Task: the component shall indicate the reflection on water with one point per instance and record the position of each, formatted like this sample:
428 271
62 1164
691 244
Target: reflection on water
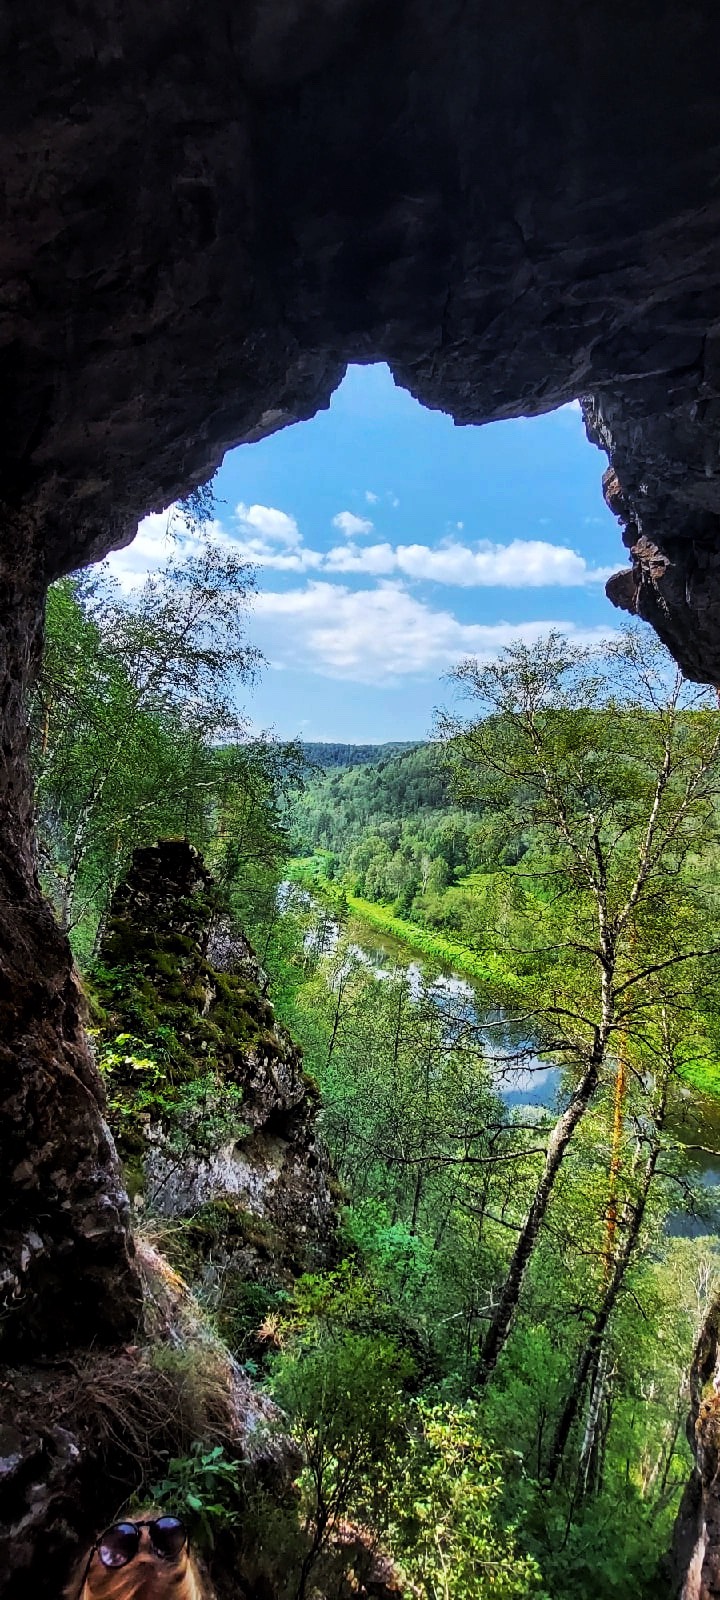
522 1078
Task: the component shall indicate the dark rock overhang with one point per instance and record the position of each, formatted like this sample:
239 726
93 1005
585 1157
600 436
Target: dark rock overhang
210 210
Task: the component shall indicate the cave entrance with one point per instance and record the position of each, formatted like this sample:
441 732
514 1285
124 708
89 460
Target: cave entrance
390 542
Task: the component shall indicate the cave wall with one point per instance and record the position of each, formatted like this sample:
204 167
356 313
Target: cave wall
66 1267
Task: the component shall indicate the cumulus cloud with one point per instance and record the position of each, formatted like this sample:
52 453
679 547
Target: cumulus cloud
377 559
522 564
262 554
272 525
353 527
380 632
262 534
371 497
380 635
271 538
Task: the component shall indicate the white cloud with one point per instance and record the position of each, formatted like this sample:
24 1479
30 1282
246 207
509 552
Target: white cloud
379 635
271 524
380 560
353 527
371 497
265 535
162 536
522 564
263 554
271 538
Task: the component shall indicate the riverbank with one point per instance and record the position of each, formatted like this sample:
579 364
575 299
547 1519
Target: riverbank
486 969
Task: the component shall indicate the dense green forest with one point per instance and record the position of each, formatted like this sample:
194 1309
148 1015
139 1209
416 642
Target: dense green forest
492 1376
328 755
394 832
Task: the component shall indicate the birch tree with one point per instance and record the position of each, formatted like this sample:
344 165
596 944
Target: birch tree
609 763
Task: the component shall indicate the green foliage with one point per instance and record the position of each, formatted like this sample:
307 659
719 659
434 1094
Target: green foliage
446 1511
202 1488
419 1474
505 850
342 1394
440 1181
137 734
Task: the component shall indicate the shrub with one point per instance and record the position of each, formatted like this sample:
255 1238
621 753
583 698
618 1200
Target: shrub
203 1488
444 1495
343 1397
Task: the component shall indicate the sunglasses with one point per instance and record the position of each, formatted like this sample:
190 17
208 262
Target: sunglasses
119 1545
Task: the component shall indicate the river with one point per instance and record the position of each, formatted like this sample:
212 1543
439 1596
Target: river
522 1076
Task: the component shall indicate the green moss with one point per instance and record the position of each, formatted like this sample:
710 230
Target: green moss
161 995
221 1225
167 1021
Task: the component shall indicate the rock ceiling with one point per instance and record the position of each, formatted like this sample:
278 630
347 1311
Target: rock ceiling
210 209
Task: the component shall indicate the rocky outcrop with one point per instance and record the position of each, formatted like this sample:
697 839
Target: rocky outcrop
662 487
179 1023
181 989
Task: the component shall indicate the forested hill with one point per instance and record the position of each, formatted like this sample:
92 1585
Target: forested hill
327 755
338 805
390 828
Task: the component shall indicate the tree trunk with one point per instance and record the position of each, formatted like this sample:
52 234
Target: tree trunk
498 1332
590 1463
592 1353
66 1272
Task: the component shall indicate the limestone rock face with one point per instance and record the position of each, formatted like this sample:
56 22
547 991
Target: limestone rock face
209 211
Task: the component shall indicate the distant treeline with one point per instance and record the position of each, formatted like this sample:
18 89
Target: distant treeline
328 755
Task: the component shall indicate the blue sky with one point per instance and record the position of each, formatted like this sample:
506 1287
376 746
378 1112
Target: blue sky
390 543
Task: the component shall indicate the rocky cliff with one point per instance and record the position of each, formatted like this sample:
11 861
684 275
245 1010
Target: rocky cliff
208 1098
